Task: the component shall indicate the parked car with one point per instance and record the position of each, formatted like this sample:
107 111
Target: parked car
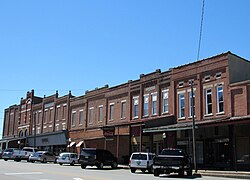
9 153
97 157
67 158
1 154
172 160
43 156
24 153
142 161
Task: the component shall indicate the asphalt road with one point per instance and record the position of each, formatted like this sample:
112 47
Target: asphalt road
10 170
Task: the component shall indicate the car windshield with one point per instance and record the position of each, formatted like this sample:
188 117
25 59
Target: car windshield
139 156
38 154
87 152
176 152
8 150
64 155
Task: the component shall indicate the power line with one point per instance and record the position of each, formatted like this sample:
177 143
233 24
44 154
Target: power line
201 27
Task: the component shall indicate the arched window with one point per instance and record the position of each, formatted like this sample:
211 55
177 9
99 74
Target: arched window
21 133
26 133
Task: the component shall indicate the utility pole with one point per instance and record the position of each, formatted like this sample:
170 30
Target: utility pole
193 127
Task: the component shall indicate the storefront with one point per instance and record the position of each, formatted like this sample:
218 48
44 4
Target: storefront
55 142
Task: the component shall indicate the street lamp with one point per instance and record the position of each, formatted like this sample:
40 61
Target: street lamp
193 125
18 142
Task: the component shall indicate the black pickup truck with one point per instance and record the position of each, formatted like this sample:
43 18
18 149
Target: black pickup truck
172 161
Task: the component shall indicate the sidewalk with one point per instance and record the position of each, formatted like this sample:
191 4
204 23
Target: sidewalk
214 173
228 174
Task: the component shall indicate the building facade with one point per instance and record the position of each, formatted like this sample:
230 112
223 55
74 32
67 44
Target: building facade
153 112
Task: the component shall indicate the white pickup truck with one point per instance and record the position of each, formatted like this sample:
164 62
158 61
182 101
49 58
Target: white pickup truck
23 154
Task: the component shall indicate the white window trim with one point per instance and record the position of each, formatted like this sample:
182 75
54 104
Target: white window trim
217 99
181 117
190 103
165 91
207 103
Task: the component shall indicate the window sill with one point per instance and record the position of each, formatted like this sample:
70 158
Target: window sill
220 113
190 117
181 118
208 115
165 112
123 118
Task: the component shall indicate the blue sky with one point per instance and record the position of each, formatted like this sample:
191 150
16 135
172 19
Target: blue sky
50 45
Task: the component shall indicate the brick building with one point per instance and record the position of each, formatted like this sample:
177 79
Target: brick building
147 114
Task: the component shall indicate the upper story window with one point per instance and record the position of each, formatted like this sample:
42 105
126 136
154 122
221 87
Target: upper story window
64 111
165 101
154 104
218 75
38 117
45 116
181 105
111 112
136 106
191 108
58 113
80 117
181 84
220 99
73 123
123 110
145 105
100 113
207 78
34 118
51 115
91 115
209 109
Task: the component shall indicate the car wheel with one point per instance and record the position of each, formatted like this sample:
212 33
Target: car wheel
132 170
73 163
114 165
151 169
83 166
60 164
143 170
32 161
181 173
6 159
100 166
55 161
156 172
189 172
44 160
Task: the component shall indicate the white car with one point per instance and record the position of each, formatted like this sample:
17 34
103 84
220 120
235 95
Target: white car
67 158
142 161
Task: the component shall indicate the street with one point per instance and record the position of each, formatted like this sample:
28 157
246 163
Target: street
11 170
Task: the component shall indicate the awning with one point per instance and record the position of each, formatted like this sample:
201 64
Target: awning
173 127
71 144
79 144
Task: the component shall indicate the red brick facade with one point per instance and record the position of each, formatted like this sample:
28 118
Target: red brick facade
134 115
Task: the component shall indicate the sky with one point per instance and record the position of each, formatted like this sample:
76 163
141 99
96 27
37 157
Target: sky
78 45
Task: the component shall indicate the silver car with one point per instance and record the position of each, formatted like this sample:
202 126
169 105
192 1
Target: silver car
43 156
68 158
